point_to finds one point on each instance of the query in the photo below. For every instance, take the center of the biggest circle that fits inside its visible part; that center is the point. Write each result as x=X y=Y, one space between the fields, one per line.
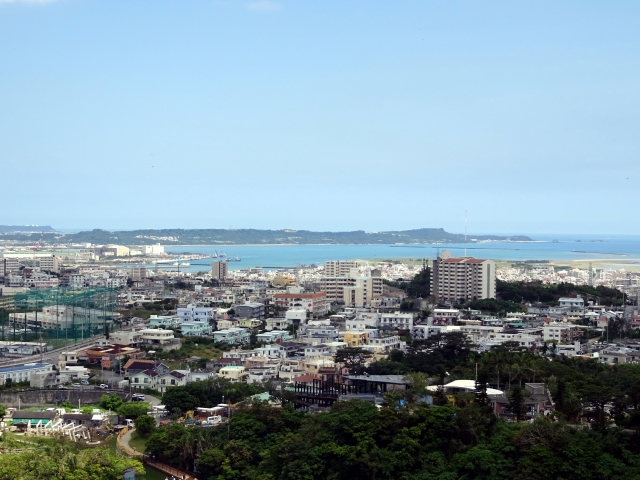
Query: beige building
x=12 y=261
x=463 y=278
x=138 y=273
x=233 y=373
x=338 y=268
x=349 y=287
x=219 y=269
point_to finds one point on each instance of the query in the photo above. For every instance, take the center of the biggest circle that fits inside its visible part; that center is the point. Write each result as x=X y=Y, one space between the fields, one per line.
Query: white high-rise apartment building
x=462 y=279
x=219 y=270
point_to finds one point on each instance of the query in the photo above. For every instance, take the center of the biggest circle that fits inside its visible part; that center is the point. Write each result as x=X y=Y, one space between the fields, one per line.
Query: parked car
x=136 y=397
x=103 y=385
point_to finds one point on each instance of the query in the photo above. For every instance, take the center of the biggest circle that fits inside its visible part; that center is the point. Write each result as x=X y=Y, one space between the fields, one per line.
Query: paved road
x=126 y=438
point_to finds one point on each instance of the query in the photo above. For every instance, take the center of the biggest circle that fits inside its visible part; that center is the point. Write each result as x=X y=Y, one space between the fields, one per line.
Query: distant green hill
x=253 y=236
x=25 y=229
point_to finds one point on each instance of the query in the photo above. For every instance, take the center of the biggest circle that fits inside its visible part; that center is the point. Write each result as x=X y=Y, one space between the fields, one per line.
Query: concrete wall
x=37 y=398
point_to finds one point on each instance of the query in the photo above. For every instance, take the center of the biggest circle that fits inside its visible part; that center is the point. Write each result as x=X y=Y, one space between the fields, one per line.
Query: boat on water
x=181 y=264
x=236 y=259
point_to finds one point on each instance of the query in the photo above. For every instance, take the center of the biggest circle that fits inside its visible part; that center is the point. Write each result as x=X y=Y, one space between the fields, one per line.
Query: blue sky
x=332 y=115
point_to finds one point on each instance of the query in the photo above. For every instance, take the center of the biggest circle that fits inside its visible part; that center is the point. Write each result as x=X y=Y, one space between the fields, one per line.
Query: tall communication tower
x=465 y=233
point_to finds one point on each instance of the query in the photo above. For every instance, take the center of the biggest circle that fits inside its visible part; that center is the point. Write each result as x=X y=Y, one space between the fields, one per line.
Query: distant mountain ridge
x=25 y=228
x=254 y=236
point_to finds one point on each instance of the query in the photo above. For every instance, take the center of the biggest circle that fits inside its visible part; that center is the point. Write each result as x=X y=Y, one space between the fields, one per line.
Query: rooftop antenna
x=465 y=233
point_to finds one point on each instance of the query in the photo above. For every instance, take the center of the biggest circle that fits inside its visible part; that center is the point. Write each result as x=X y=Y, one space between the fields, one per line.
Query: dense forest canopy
x=590 y=434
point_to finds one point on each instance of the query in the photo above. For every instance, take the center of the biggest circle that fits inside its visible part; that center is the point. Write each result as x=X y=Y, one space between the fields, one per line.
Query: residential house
x=274 y=336
x=233 y=373
x=232 y=336
x=250 y=310
x=192 y=329
x=175 y=378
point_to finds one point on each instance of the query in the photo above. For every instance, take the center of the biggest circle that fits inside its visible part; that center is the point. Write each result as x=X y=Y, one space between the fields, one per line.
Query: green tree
x=111 y=402
x=353 y=358
x=145 y=425
x=133 y=410
x=516 y=402
x=3 y=411
x=417 y=382
x=62 y=462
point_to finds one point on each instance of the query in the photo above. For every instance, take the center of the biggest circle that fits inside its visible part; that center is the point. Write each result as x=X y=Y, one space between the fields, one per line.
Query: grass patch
x=137 y=442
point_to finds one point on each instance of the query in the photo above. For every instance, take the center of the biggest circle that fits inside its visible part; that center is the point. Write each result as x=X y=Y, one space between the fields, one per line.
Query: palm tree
x=495 y=358
x=531 y=365
x=510 y=358
x=517 y=369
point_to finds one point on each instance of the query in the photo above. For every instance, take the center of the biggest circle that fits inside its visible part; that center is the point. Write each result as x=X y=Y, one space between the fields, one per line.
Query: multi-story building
x=191 y=313
x=385 y=344
x=138 y=273
x=160 y=338
x=338 y=268
x=219 y=269
x=250 y=310
x=8 y=264
x=402 y=321
x=191 y=329
x=232 y=336
x=561 y=333
x=571 y=302
x=445 y=316
x=349 y=287
x=152 y=249
x=315 y=303
x=12 y=261
x=462 y=279
x=22 y=373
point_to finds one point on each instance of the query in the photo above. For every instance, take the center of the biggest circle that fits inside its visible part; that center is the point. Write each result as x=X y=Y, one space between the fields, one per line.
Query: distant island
x=259 y=237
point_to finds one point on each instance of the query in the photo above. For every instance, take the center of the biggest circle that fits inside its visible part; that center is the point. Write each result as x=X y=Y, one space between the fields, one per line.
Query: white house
x=191 y=313
x=232 y=336
x=191 y=329
x=175 y=378
x=403 y=321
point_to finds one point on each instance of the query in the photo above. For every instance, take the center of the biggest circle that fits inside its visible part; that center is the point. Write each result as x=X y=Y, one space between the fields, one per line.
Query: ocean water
x=604 y=251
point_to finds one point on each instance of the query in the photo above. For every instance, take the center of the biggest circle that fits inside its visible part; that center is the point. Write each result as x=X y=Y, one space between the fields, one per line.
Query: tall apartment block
x=462 y=279
x=342 y=283
x=219 y=270
x=338 y=268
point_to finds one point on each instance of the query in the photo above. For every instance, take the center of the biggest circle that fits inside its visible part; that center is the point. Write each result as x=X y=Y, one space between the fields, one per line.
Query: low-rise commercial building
x=22 y=373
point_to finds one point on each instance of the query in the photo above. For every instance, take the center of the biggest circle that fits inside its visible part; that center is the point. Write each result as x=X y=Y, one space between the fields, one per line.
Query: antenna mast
x=465 y=233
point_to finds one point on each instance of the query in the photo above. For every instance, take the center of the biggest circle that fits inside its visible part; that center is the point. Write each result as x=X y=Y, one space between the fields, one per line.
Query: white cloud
x=263 y=5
